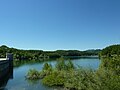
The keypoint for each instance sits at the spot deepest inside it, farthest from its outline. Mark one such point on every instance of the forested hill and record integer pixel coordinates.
(112, 50)
(40, 54)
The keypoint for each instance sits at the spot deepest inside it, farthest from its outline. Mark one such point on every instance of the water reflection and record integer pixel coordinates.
(4, 79)
(21, 68)
(82, 57)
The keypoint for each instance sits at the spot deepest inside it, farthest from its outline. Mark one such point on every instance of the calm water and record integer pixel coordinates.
(20, 83)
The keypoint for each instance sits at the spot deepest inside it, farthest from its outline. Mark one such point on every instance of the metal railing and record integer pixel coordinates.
(1, 59)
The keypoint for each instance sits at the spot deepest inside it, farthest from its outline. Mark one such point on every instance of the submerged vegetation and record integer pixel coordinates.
(66, 75)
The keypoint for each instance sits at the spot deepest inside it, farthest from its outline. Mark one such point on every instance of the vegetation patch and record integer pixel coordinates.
(66, 75)
(43, 55)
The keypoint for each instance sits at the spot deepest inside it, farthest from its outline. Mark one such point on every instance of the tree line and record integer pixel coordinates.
(20, 54)
(113, 50)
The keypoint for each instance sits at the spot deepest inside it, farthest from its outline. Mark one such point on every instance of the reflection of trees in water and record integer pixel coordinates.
(5, 78)
(81, 57)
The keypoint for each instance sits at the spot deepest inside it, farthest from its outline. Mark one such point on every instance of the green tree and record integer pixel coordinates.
(47, 66)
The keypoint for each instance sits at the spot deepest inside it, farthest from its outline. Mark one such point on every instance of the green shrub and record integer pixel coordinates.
(62, 65)
(33, 74)
(107, 77)
(70, 65)
(54, 79)
(47, 67)
(112, 64)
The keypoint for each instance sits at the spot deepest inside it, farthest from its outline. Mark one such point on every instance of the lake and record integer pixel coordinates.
(20, 83)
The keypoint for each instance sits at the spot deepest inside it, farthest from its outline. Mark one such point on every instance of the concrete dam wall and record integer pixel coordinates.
(6, 69)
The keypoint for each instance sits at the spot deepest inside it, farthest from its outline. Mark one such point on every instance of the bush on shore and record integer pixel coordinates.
(107, 77)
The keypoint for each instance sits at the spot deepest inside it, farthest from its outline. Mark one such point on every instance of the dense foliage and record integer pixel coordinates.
(43, 55)
(111, 50)
(111, 63)
(105, 78)
(65, 74)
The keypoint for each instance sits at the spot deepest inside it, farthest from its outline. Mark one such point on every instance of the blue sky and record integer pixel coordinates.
(59, 24)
